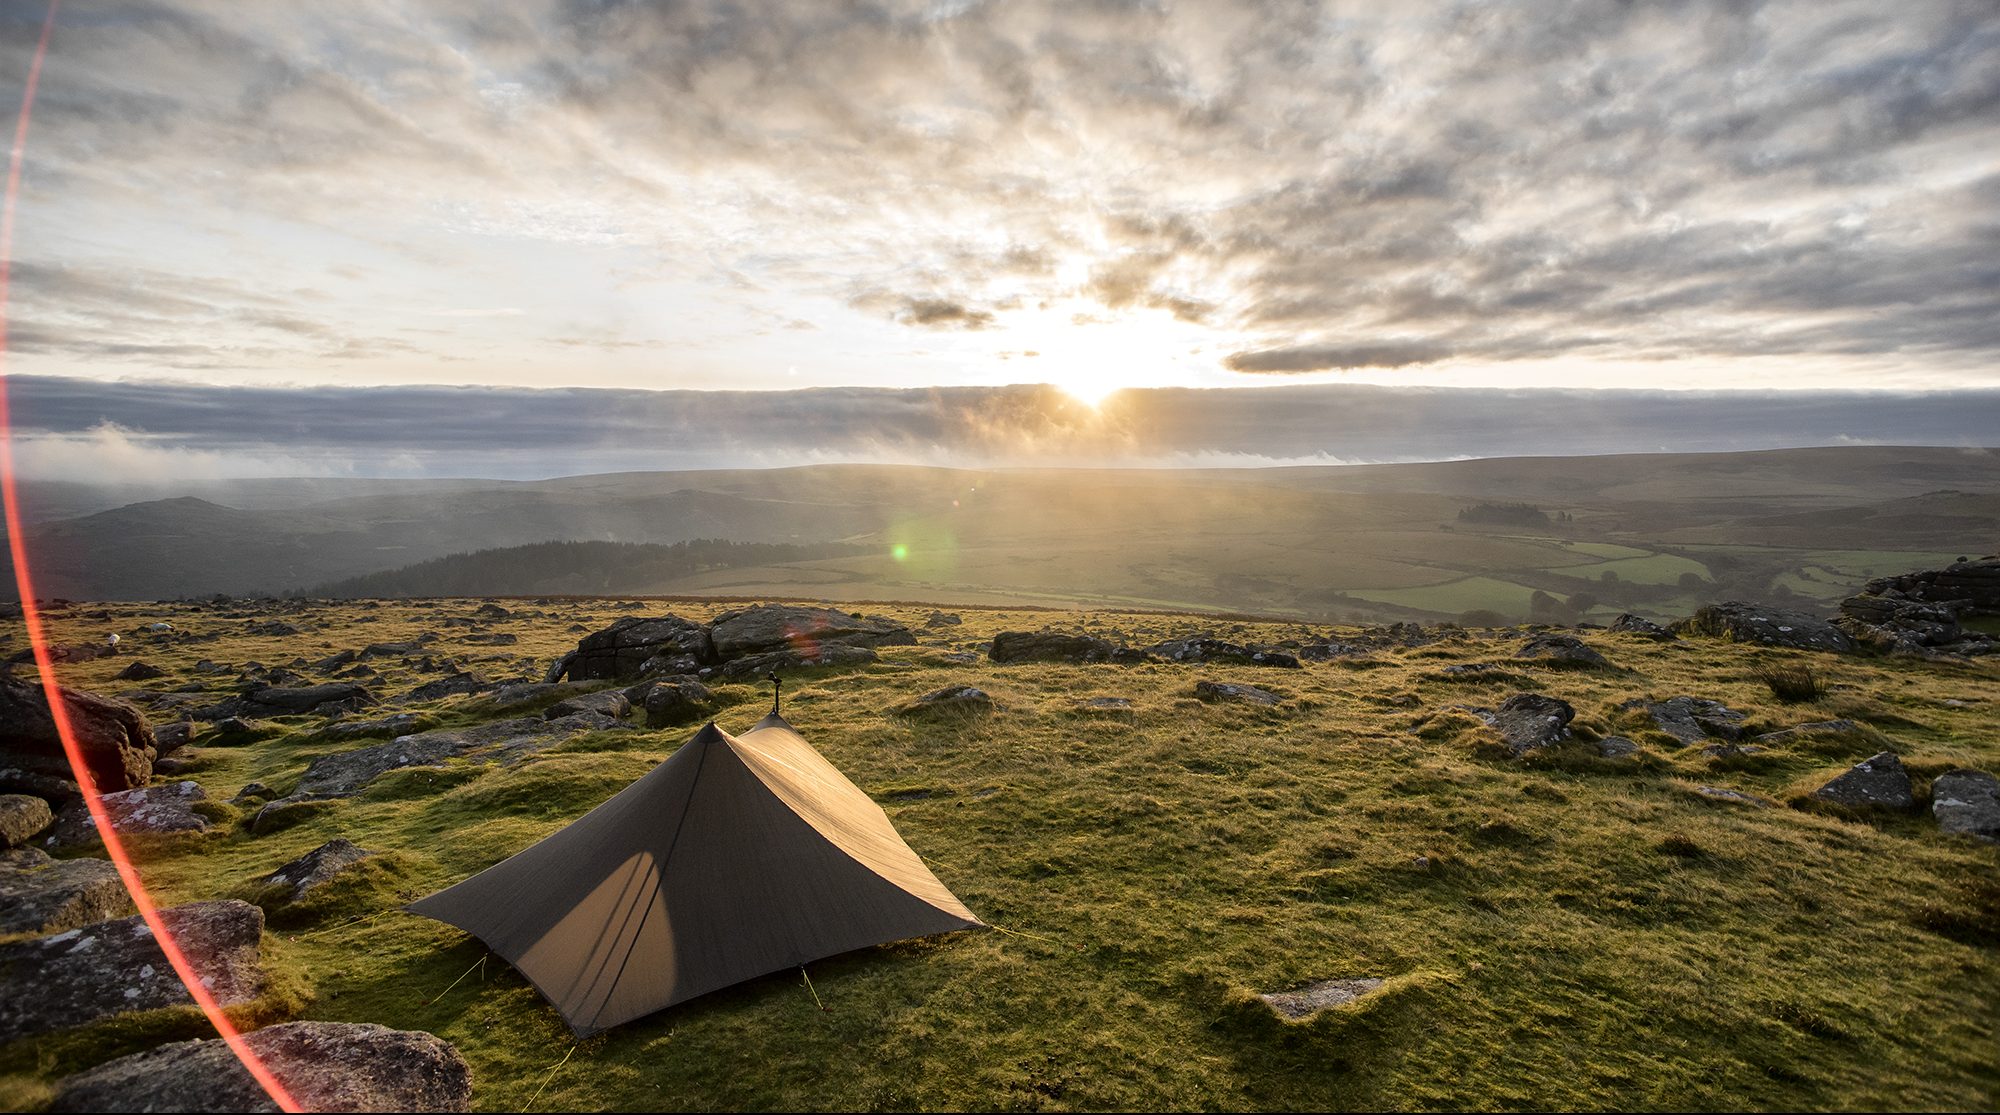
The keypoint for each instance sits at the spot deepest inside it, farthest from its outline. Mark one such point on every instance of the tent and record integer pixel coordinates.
(737, 857)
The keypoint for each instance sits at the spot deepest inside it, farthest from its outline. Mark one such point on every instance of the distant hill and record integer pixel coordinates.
(1655, 533)
(571, 568)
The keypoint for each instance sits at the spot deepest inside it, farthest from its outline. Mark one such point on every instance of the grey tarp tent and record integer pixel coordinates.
(738, 856)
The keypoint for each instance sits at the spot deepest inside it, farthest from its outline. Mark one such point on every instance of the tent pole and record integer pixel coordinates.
(777, 683)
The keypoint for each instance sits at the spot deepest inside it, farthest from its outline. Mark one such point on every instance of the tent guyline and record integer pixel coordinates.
(737, 857)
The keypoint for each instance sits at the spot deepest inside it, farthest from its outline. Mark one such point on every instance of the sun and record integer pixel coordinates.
(1091, 355)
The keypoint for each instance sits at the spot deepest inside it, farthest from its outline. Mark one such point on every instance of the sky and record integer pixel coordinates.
(1097, 196)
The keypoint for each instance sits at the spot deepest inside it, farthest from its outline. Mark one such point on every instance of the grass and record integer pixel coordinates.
(1793, 685)
(1561, 932)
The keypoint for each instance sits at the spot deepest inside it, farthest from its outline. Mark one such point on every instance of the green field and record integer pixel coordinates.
(1562, 932)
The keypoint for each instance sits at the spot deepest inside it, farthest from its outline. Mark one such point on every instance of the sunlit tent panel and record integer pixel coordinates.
(739, 856)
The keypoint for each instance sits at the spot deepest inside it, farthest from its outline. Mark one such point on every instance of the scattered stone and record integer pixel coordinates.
(455, 685)
(1616, 747)
(285, 812)
(1221, 691)
(254, 791)
(1106, 706)
(607, 702)
(1967, 802)
(619, 650)
(673, 701)
(952, 698)
(112, 967)
(50, 788)
(1049, 646)
(1530, 721)
(234, 731)
(1313, 998)
(278, 700)
(1693, 719)
(1328, 651)
(117, 745)
(1734, 797)
(22, 818)
(1629, 624)
(1739, 622)
(1479, 672)
(141, 671)
(943, 619)
(1922, 611)
(1877, 782)
(333, 662)
(491, 611)
(326, 1066)
(171, 737)
(774, 627)
(41, 895)
(393, 650)
(273, 627)
(316, 868)
(492, 639)
(148, 811)
(1562, 651)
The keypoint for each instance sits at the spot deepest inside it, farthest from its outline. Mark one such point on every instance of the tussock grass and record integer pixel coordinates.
(1793, 685)
(1561, 931)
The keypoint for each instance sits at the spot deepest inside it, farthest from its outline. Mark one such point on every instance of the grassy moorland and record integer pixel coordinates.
(1564, 931)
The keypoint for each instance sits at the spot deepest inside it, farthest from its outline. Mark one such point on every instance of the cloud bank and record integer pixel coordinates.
(711, 193)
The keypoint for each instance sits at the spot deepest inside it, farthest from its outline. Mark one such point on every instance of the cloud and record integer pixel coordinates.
(1318, 187)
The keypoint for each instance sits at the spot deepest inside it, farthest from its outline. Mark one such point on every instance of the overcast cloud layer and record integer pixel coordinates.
(136, 433)
(1092, 194)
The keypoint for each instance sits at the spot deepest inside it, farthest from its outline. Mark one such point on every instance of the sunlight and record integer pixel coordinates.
(1090, 353)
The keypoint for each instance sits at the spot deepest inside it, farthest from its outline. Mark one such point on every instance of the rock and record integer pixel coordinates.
(344, 773)
(1106, 706)
(673, 701)
(606, 702)
(1530, 721)
(1739, 622)
(234, 731)
(146, 811)
(455, 685)
(827, 654)
(141, 671)
(393, 650)
(278, 700)
(557, 669)
(1218, 691)
(254, 791)
(491, 611)
(775, 627)
(618, 651)
(1616, 747)
(1049, 646)
(1328, 651)
(943, 619)
(1923, 609)
(492, 639)
(1817, 728)
(1693, 719)
(1967, 802)
(1877, 782)
(22, 818)
(282, 814)
(400, 724)
(333, 662)
(1480, 672)
(48, 787)
(326, 1066)
(1562, 651)
(272, 627)
(112, 967)
(1205, 650)
(316, 868)
(952, 698)
(171, 737)
(41, 895)
(1313, 998)
(1629, 624)
(117, 745)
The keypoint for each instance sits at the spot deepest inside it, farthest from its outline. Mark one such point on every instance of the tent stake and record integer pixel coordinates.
(461, 978)
(815, 994)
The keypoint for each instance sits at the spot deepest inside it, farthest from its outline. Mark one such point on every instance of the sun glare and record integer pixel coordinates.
(1091, 354)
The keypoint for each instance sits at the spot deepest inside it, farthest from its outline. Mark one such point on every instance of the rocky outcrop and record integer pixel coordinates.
(1629, 624)
(796, 658)
(400, 724)
(625, 648)
(605, 702)
(279, 700)
(454, 685)
(326, 1066)
(22, 818)
(1207, 650)
(43, 895)
(79, 976)
(1692, 719)
(1877, 782)
(1562, 652)
(117, 745)
(1922, 611)
(313, 870)
(1529, 722)
(1222, 692)
(1049, 646)
(964, 699)
(146, 811)
(672, 701)
(141, 671)
(766, 628)
(344, 773)
(1313, 998)
(1740, 622)
(1967, 802)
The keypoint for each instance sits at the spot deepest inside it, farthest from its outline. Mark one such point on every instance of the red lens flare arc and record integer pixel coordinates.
(31, 615)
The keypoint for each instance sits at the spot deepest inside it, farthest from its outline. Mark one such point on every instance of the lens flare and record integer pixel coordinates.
(37, 638)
